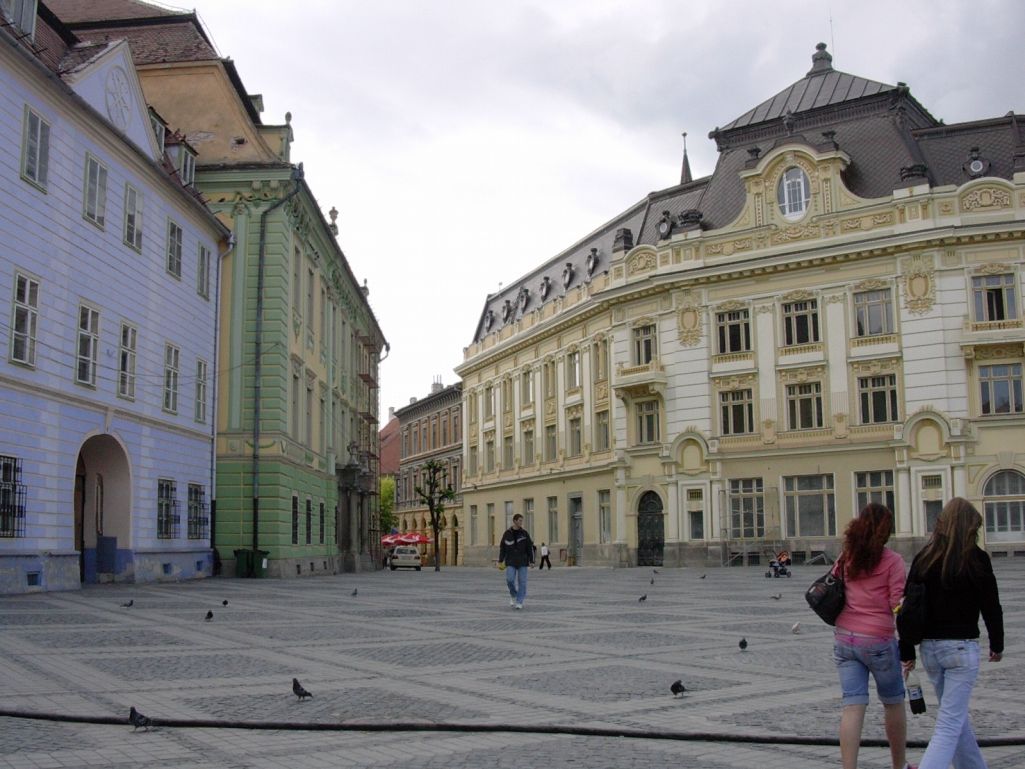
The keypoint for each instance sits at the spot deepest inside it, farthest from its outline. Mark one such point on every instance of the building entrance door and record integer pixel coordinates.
(576, 530)
(650, 530)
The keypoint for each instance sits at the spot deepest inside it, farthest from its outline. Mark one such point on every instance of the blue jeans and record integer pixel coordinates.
(856, 656)
(516, 581)
(953, 667)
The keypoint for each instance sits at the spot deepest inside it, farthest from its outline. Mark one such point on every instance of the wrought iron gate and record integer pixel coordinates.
(650, 530)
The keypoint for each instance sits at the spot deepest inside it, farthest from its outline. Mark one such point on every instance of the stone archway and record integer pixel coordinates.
(103, 510)
(650, 530)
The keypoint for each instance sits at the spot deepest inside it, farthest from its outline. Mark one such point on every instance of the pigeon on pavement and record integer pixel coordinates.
(677, 688)
(128, 605)
(224, 602)
(743, 644)
(643, 598)
(299, 691)
(776, 597)
(137, 719)
(355, 592)
(702, 576)
(652, 580)
(654, 571)
(795, 628)
(209, 616)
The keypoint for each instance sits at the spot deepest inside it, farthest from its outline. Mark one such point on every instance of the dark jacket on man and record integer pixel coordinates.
(517, 549)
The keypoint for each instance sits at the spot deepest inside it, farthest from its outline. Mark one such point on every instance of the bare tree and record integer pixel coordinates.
(434, 493)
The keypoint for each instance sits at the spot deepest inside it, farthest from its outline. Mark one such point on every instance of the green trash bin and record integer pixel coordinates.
(243, 562)
(260, 563)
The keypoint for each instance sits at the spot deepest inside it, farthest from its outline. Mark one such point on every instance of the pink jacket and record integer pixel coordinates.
(871, 598)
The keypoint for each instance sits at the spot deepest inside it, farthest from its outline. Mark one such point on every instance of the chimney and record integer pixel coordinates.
(437, 386)
(391, 413)
(624, 240)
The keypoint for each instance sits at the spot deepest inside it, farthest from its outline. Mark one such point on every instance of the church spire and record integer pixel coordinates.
(685, 169)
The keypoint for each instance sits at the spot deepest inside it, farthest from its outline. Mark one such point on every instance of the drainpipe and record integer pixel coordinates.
(297, 177)
(215, 391)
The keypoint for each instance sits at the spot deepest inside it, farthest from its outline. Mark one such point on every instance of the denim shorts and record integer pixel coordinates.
(856, 656)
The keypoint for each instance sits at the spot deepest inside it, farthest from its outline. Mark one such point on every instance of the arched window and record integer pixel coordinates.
(1004, 503)
(793, 193)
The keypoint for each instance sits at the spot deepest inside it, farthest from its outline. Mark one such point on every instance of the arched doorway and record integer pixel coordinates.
(455, 540)
(103, 504)
(650, 530)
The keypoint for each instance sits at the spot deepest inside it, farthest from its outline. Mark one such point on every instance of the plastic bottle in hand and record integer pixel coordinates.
(915, 698)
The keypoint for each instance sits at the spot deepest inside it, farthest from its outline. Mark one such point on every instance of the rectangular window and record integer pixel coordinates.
(198, 522)
(601, 431)
(575, 439)
(551, 443)
(472, 461)
(601, 360)
(804, 406)
(549, 378)
(309, 521)
(133, 217)
(573, 373)
(553, 519)
(203, 272)
(309, 308)
(810, 506)
(322, 523)
(874, 486)
(644, 344)
(35, 149)
(647, 422)
(604, 517)
(174, 249)
(322, 424)
(696, 513)
(489, 454)
(800, 322)
(507, 452)
(188, 166)
(323, 315)
(873, 312)
(295, 520)
(126, 361)
(308, 435)
(13, 498)
(88, 345)
(994, 298)
(734, 331)
(26, 316)
(507, 401)
(527, 388)
(171, 373)
(200, 391)
(159, 132)
(878, 396)
(737, 411)
(297, 282)
(296, 421)
(527, 445)
(747, 508)
(489, 401)
(1000, 389)
(528, 515)
(491, 523)
(473, 524)
(94, 203)
(168, 522)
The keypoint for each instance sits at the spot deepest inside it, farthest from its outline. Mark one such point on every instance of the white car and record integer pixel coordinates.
(403, 556)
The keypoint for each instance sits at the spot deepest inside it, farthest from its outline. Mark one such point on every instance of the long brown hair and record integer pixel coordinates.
(865, 537)
(952, 541)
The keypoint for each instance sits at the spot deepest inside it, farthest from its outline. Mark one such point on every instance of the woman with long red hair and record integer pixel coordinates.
(865, 640)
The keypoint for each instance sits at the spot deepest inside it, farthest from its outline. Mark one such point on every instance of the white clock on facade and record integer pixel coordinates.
(119, 97)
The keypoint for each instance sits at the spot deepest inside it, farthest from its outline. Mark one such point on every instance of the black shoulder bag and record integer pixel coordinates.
(912, 611)
(826, 594)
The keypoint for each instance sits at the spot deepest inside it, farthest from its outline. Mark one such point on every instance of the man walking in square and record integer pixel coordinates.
(517, 554)
(545, 553)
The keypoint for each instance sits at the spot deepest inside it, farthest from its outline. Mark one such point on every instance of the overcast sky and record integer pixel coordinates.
(464, 142)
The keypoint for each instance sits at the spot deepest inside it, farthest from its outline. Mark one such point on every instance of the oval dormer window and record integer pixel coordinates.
(793, 193)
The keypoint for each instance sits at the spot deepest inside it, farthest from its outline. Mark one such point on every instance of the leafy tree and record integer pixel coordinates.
(434, 493)
(387, 507)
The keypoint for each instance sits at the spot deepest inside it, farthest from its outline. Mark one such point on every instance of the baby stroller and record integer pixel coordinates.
(778, 565)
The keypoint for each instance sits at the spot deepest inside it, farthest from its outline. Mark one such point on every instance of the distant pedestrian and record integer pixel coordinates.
(545, 557)
(517, 554)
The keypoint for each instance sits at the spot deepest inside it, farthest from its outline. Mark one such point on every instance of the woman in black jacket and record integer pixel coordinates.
(959, 584)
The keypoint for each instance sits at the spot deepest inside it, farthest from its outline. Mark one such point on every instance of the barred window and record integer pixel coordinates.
(198, 512)
(295, 520)
(13, 498)
(168, 520)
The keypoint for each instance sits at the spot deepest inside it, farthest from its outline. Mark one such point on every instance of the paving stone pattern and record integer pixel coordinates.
(445, 647)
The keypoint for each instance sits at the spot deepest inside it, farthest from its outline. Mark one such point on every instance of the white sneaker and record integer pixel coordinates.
(519, 606)
(512, 602)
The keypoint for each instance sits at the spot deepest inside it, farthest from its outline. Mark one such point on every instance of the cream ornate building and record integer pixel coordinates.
(738, 363)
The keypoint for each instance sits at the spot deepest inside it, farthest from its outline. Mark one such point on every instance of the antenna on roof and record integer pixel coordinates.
(832, 40)
(685, 168)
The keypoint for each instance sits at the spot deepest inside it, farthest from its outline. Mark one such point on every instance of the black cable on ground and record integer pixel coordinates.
(455, 726)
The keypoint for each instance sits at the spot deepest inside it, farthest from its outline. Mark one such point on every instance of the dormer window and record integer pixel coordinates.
(187, 167)
(793, 193)
(159, 131)
(22, 14)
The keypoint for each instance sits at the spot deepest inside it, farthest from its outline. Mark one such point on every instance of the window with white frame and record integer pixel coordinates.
(573, 373)
(747, 508)
(734, 331)
(168, 520)
(528, 514)
(696, 513)
(527, 388)
(804, 406)
(800, 322)
(604, 516)
(553, 519)
(200, 409)
(171, 375)
(737, 411)
(308, 434)
(1000, 389)
(647, 421)
(793, 193)
(198, 520)
(203, 272)
(600, 360)
(473, 524)
(296, 404)
(601, 431)
(551, 443)
(25, 319)
(88, 345)
(645, 349)
(527, 445)
(94, 206)
(322, 423)
(159, 132)
(309, 307)
(549, 377)
(472, 460)
(507, 401)
(22, 14)
(873, 312)
(994, 298)
(491, 523)
(35, 149)
(187, 167)
(574, 428)
(174, 249)
(323, 314)
(508, 513)
(932, 499)
(810, 506)
(126, 361)
(133, 217)
(874, 486)
(1004, 503)
(878, 397)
